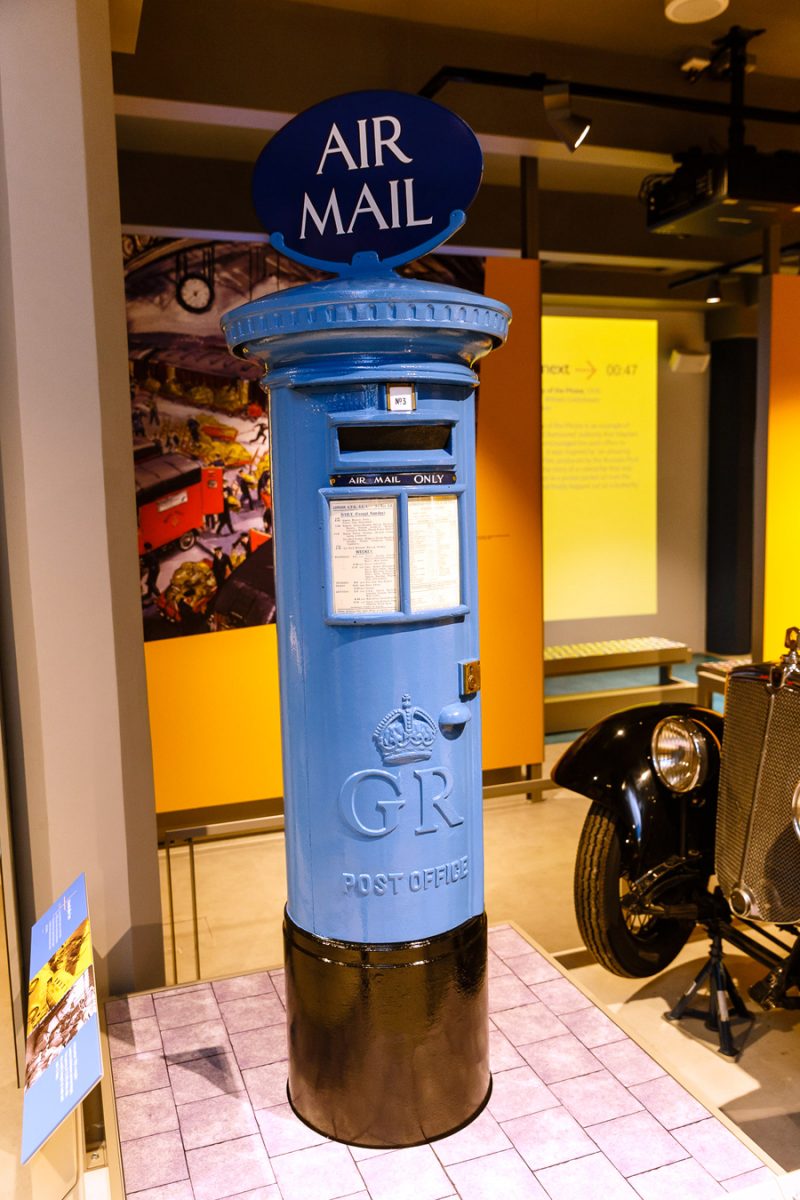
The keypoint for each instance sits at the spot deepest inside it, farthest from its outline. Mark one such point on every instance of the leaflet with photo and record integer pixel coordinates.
(62, 1049)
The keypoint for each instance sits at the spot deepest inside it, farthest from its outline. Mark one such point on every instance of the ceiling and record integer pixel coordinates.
(636, 27)
(208, 84)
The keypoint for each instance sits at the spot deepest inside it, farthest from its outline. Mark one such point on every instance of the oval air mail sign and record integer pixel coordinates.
(377, 173)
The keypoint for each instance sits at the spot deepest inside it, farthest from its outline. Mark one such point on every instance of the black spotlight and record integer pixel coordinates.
(571, 128)
(714, 292)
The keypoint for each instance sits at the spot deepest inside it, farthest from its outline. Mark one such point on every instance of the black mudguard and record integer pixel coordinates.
(611, 763)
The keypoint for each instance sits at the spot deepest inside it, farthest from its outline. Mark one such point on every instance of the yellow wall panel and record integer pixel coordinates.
(215, 718)
(510, 524)
(781, 561)
(599, 426)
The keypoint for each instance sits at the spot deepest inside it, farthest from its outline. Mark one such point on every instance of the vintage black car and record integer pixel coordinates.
(695, 820)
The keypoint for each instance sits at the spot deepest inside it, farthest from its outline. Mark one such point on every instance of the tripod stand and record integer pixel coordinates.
(722, 994)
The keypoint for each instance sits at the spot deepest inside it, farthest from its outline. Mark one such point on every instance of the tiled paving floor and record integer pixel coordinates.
(577, 1110)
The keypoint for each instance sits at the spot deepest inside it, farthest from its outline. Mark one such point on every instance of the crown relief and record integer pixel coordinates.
(406, 734)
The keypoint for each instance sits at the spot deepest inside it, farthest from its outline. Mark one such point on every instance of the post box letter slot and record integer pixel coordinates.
(386, 439)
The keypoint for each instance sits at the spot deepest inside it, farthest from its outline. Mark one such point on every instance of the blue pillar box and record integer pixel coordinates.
(371, 383)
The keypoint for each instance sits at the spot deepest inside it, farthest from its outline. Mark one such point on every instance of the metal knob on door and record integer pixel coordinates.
(453, 718)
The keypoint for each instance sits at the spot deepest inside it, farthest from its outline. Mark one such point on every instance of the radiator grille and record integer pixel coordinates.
(757, 847)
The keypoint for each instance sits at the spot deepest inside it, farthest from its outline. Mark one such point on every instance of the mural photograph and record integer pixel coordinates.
(200, 428)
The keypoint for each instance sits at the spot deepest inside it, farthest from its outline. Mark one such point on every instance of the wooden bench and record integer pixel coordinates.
(579, 710)
(713, 677)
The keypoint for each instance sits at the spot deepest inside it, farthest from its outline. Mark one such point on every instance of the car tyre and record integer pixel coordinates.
(625, 947)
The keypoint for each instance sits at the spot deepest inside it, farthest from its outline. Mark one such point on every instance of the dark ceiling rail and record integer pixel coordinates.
(728, 268)
(537, 81)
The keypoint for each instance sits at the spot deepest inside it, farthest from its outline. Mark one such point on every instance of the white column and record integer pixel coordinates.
(80, 775)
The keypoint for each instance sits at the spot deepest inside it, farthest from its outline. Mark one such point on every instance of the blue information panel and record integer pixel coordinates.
(62, 1049)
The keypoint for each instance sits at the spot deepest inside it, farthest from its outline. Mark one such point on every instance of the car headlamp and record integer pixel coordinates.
(680, 753)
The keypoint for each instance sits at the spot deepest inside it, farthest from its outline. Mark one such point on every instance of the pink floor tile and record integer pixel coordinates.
(495, 966)
(139, 1073)
(146, 1113)
(628, 1062)
(195, 1041)
(283, 1132)
(252, 1012)
(185, 1008)
(636, 1143)
(593, 1027)
(361, 1152)
(559, 1058)
(219, 1119)
(574, 1100)
(561, 996)
(507, 942)
(229, 1169)
(669, 1102)
(761, 1175)
(716, 1149)
(270, 1192)
(150, 1162)
(529, 1023)
(168, 1191)
(481, 1136)
(279, 983)
(677, 1180)
(585, 1177)
(594, 1098)
(257, 984)
(518, 1092)
(133, 1037)
(532, 967)
(259, 1047)
(501, 1176)
(506, 991)
(414, 1174)
(502, 1055)
(133, 1008)
(266, 1085)
(549, 1137)
(324, 1172)
(202, 1078)
(185, 988)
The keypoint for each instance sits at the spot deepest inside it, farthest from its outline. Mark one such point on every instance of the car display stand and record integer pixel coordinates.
(199, 1077)
(725, 1004)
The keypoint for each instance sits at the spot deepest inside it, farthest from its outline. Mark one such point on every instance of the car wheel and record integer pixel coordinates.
(627, 943)
(187, 540)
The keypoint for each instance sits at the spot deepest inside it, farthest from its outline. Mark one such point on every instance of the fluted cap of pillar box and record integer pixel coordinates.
(381, 322)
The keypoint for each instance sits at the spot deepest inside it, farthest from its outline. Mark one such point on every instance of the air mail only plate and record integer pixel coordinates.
(355, 479)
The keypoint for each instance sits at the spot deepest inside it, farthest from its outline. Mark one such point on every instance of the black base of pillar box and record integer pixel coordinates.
(388, 1045)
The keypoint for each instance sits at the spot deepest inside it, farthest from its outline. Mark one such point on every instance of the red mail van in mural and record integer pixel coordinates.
(174, 495)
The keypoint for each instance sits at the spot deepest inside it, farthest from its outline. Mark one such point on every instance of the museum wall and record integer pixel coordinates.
(75, 722)
(682, 474)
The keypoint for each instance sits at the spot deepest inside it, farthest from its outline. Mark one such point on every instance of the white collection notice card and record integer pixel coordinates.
(433, 551)
(364, 564)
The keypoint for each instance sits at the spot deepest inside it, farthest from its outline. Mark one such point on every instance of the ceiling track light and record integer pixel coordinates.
(714, 292)
(571, 128)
